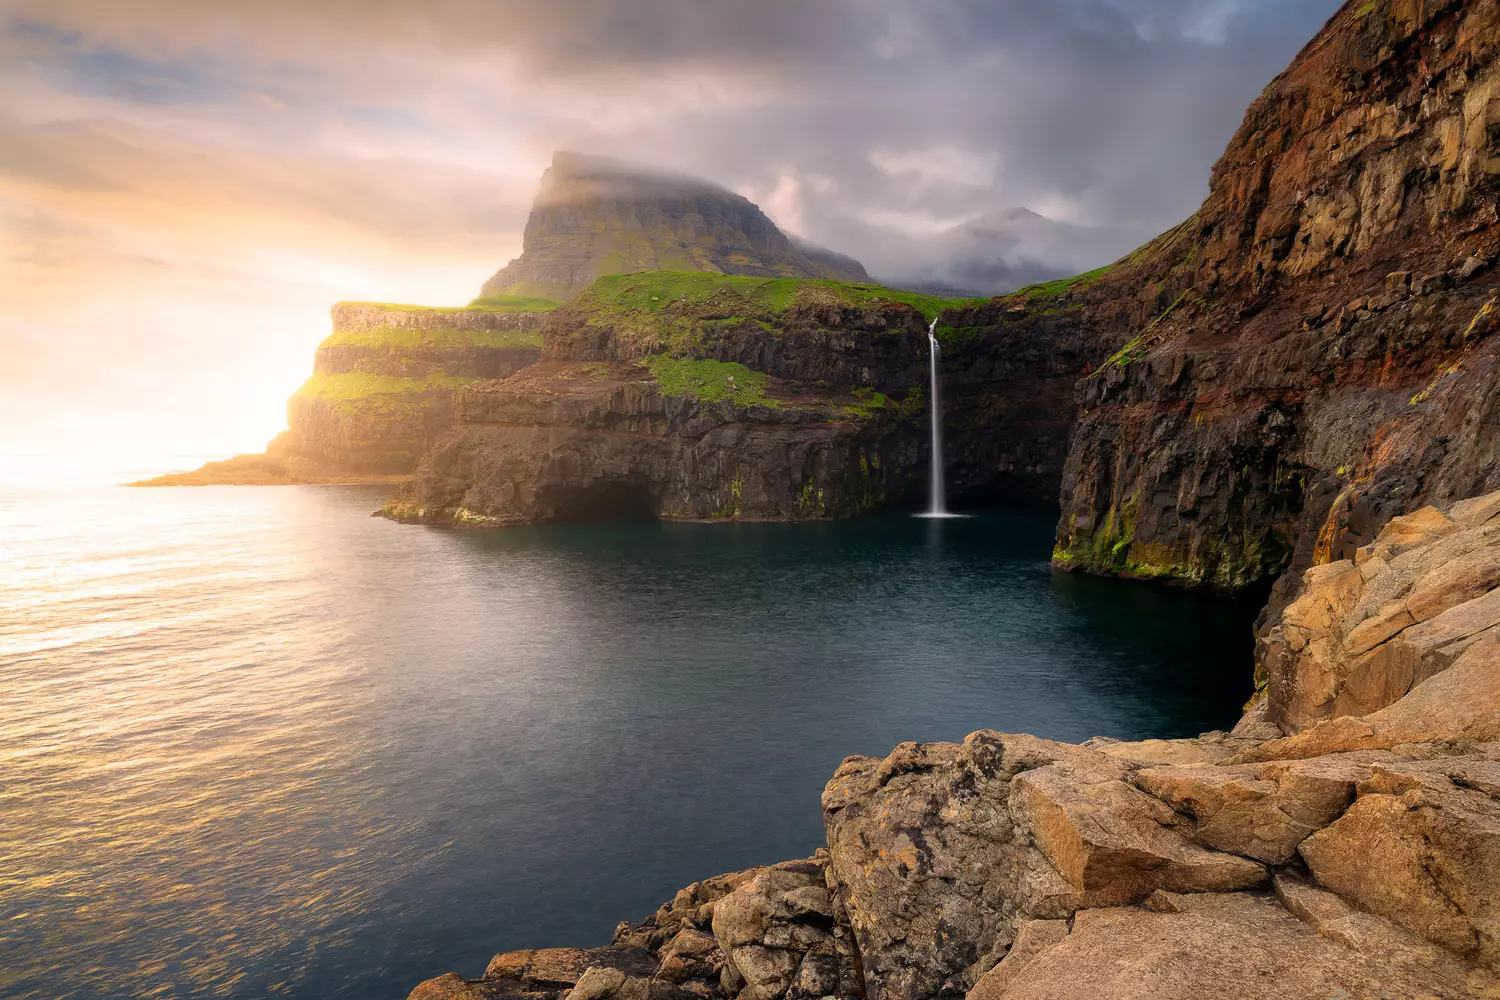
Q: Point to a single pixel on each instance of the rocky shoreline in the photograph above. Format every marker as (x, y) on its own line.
(1310, 852)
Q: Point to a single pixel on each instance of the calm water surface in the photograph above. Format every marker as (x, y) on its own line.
(256, 743)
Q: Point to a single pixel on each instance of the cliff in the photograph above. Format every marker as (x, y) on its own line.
(1313, 352)
(382, 391)
(694, 397)
(1329, 855)
(595, 216)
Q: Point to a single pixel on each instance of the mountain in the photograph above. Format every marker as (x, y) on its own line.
(596, 216)
(999, 252)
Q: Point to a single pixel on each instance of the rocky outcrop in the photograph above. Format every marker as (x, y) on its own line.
(383, 384)
(1365, 631)
(694, 397)
(382, 391)
(596, 216)
(1345, 856)
(1313, 352)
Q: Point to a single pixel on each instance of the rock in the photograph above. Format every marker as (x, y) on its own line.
(1369, 934)
(1149, 752)
(1033, 938)
(1461, 703)
(782, 933)
(922, 849)
(552, 967)
(610, 984)
(690, 909)
(1422, 849)
(1364, 633)
(449, 986)
(691, 954)
(1114, 843)
(1220, 946)
(941, 852)
(1261, 812)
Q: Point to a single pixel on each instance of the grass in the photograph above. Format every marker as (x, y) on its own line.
(1062, 285)
(676, 312)
(514, 303)
(708, 381)
(380, 396)
(445, 338)
(488, 303)
(765, 298)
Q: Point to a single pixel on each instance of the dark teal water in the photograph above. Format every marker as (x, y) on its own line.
(254, 742)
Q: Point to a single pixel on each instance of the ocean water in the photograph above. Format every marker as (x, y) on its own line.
(254, 742)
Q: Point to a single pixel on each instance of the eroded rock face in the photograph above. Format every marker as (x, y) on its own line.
(1227, 946)
(568, 441)
(941, 852)
(1314, 351)
(1366, 631)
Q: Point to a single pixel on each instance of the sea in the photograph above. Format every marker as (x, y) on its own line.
(255, 742)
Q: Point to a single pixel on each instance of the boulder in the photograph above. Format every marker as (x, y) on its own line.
(1421, 847)
(942, 852)
(1216, 946)
(1114, 843)
(1365, 632)
(1259, 811)
(785, 936)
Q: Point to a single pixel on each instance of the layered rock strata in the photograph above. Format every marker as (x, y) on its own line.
(384, 382)
(1326, 855)
(694, 397)
(382, 391)
(595, 216)
(1313, 352)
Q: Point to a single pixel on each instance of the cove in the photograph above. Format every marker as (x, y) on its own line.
(261, 743)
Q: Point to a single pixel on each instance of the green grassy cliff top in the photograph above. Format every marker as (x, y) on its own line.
(712, 296)
(485, 303)
(444, 338)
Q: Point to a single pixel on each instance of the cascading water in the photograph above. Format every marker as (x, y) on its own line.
(937, 502)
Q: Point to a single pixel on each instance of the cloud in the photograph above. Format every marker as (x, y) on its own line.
(170, 163)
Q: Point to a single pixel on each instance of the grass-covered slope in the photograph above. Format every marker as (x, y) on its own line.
(681, 312)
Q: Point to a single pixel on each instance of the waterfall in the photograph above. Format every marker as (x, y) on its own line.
(937, 503)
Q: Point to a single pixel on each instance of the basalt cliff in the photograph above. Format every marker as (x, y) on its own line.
(382, 390)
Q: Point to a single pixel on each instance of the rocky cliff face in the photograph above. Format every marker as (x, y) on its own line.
(1313, 352)
(383, 384)
(1305, 854)
(694, 397)
(596, 216)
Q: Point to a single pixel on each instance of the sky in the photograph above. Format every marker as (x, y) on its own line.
(186, 186)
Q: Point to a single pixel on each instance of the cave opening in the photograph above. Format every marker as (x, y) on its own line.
(606, 500)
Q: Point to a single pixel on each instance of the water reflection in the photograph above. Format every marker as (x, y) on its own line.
(255, 742)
